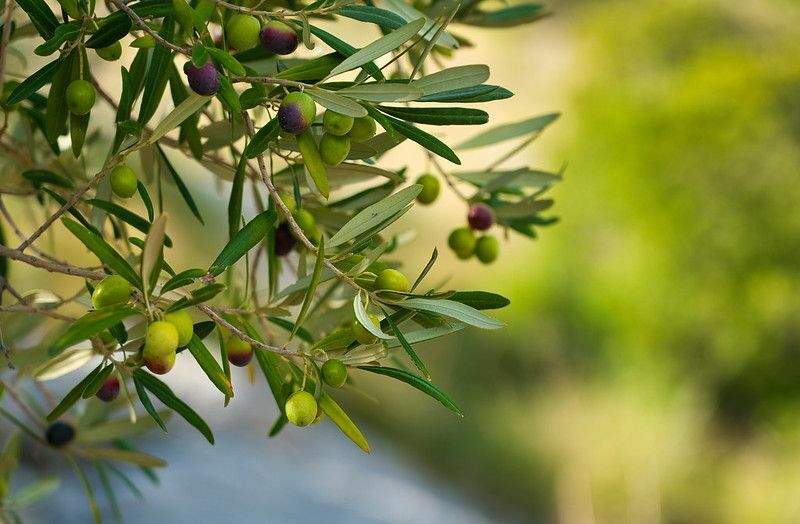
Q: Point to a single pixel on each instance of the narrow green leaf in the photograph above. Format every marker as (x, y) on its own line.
(363, 318)
(157, 74)
(380, 47)
(382, 92)
(89, 325)
(438, 116)
(345, 49)
(130, 218)
(34, 82)
(509, 131)
(314, 69)
(115, 27)
(165, 395)
(183, 278)
(336, 103)
(480, 299)
(429, 142)
(184, 191)
(376, 15)
(73, 395)
(409, 13)
(458, 77)
(288, 325)
(512, 181)
(86, 487)
(312, 287)
(184, 110)
(43, 176)
(131, 457)
(428, 266)
(210, 366)
(474, 94)
(103, 251)
(374, 215)
(342, 421)
(409, 350)
(198, 296)
(251, 234)
(268, 362)
(416, 382)
(227, 61)
(235, 200)
(153, 253)
(144, 398)
(259, 142)
(41, 15)
(453, 309)
(97, 382)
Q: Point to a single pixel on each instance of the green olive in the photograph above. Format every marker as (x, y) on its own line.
(183, 324)
(392, 280)
(123, 181)
(363, 336)
(242, 31)
(337, 124)
(363, 129)
(80, 97)
(307, 224)
(334, 149)
(301, 408)
(160, 343)
(110, 53)
(430, 189)
(334, 373)
(487, 249)
(462, 242)
(111, 291)
(288, 201)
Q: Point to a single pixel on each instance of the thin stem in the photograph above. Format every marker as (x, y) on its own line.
(146, 28)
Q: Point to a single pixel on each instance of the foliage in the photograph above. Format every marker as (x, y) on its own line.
(250, 117)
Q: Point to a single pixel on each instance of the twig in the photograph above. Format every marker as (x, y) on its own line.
(146, 28)
(52, 267)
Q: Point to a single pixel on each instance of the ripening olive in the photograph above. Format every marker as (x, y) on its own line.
(183, 324)
(278, 38)
(284, 240)
(123, 181)
(110, 53)
(307, 223)
(363, 336)
(462, 242)
(430, 189)
(111, 291)
(363, 128)
(480, 217)
(242, 31)
(297, 112)
(203, 80)
(334, 373)
(240, 353)
(59, 433)
(487, 249)
(392, 280)
(336, 123)
(301, 408)
(80, 97)
(334, 149)
(288, 201)
(160, 343)
(109, 390)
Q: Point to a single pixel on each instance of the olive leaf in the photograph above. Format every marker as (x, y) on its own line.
(89, 325)
(153, 253)
(210, 366)
(458, 77)
(452, 309)
(480, 299)
(364, 320)
(416, 382)
(103, 251)
(509, 131)
(336, 103)
(184, 110)
(244, 240)
(380, 47)
(337, 415)
(312, 287)
(407, 346)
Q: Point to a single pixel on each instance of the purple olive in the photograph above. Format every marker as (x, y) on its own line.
(203, 80)
(284, 240)
(296, 113)
(109, 390)
(480, 217)
(278, 38)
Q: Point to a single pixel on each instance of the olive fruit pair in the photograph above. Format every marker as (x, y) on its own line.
(80, 97)
(240, 353)
(392, 280)
(463, 242)
(111, 291)
(430, 189)
(59, 433)
(203, 80)
(301, 408)
(163, 338)
(358, 129)
(123, 181)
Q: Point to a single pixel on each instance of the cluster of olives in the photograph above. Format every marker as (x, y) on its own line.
(464, 242)
(242, 32)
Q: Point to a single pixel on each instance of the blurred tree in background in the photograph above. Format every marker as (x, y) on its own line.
(651, 372)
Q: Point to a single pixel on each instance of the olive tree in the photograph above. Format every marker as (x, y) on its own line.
(308, 291)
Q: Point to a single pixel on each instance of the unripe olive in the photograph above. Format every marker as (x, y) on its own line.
(278, 38)
(111, 291)
(242, 31)
(430, 189)
(123, 181)
(334, 373)
(109, 390)
(301, 408)
(297, 112)
(110, 53)
(392, 280)
(363, 336)
(480, 217)
(487, 249)
(203, 80)
(462, 241)
(336, 123)
(107, 338)
(307, 223)
(59, 433)
(143, 42)
(160, 343)
(363, 128)
(284, 240)
(80, 97)
(288, 201)
(240, 353)
(334, 149)
(183, 324)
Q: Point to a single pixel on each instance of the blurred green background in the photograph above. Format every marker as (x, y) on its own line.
(651, 368)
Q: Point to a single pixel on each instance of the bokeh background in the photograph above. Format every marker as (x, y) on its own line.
(650, 371)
